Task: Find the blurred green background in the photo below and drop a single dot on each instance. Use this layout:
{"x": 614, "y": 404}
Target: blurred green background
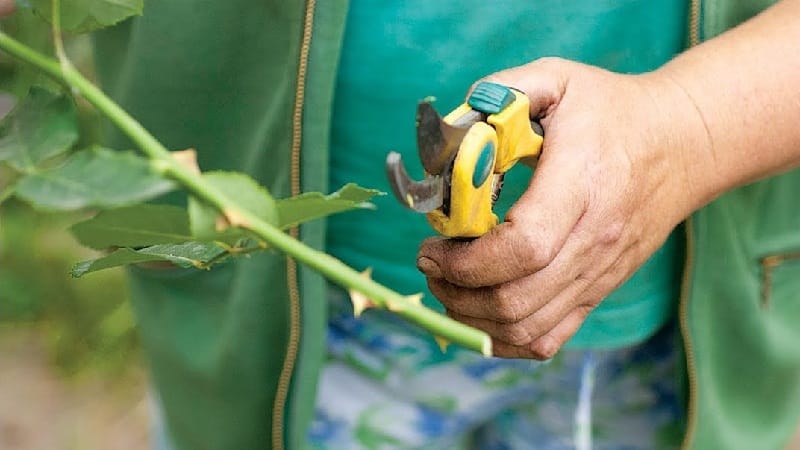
{"x": 71, "y": 375}
{"x": 85, "y": 323}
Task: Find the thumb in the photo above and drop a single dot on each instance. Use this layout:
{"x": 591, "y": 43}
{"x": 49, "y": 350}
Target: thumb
{"x": 544, "y": 81}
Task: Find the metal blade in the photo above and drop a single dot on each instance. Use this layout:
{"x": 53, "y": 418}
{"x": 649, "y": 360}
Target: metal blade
{"x": 421, "y": 196}
{"x": 437, "y": 141}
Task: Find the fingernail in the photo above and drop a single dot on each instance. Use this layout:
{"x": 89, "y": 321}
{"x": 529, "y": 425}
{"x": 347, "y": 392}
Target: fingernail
{"x": 429, "y": 267}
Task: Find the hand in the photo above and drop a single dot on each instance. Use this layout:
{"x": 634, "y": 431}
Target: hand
{"x": 615, "y": 177}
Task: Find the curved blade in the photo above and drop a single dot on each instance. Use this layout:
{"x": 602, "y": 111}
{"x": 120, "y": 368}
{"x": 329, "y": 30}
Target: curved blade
{"x": 437, "y": 141}
{"x": 421, "y": 196}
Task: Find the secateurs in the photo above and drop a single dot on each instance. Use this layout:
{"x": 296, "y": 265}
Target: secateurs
{"x": 465, "y": 155}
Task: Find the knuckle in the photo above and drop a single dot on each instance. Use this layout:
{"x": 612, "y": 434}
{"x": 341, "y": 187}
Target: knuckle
{"x": 515, "y": 334}
{"x": 534, "y": 250}
{"x": 510, "y": 307}
{"x": 550, "y": 61}
{"x": 544, "y": 348}
{"x": 612, "y": 233}
{"x": 437, "y": 289}
{"x": 462, "y": 272}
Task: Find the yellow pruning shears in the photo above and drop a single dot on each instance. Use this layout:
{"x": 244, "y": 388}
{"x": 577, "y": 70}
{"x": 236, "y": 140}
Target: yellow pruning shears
{"x": 465, "y": 155}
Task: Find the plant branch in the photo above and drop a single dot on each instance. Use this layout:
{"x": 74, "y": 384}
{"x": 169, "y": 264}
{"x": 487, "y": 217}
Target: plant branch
{"x": 330, "y": 267}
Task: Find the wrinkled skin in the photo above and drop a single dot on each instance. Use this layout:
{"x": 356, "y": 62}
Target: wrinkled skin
{"x": 610, "y": 186}
{"x": 625, "y": 159}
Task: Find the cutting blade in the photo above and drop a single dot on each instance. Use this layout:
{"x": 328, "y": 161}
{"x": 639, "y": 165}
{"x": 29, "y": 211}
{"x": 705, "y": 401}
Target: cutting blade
{"x": 421, "y": 196}
{"x": 437, "y": 141}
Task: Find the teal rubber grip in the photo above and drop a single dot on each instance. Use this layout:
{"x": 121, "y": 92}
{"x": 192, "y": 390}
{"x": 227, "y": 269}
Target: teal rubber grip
{"x": 484, "y": 165}
{"x": 490, "y": 98}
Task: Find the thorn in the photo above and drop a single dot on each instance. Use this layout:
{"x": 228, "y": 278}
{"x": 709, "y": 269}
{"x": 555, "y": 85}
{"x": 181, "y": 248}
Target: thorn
{"x": 234, "y": 218}
{"x": 415, "y": 299}
{"x": 360, "y": 301}
{"x": 221, "y": 224}
{"x": 442, "y": 342}
{"x": 188, "y": 159}
{"x": 394, "y": 306}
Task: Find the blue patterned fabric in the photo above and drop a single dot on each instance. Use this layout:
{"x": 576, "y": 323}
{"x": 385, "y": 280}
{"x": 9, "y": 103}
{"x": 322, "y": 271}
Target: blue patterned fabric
{"x": 387, "y": 388}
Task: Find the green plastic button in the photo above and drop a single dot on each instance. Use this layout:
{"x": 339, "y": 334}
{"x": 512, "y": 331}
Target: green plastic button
{"x": 484, "y": 165}
{"x": 490, "y": 98}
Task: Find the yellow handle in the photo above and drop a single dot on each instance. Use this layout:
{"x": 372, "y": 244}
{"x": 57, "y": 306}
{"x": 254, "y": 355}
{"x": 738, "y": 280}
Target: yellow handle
{"x": 517, "y": 140}
{"x": 470, "y": 212}
{"x": 488, "y": 149}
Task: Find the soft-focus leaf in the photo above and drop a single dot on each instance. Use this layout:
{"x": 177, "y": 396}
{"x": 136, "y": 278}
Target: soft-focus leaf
{"x": 188, "y": 254}
{"x": 134, "y": 226}
{"x": 40, "y": 127}
{"x": 80, "y": 16}
{"x": 313, "y": 205}
{"x": 6, "y": 193}
{"x": 96, "y": 177}
{"x": 244, "y": 192}
{"x": 29, "y": 29}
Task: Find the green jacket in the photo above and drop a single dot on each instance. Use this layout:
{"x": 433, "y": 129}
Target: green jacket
{"x": 236, "y": 365}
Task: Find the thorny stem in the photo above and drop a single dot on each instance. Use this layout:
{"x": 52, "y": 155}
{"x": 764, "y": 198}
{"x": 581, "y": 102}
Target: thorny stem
{"x": 330, "y": 267}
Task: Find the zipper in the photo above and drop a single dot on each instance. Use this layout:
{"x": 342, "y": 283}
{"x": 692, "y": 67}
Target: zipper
{"x": 293, "y": 345}
{"x": 694, "y": 23}
{"x": 683, "y": 312}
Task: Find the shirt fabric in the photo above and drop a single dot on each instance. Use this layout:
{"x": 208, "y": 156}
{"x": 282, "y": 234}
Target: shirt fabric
{"x": 394, "y": 56}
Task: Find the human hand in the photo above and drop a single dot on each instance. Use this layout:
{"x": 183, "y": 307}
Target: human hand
{"x": 7, "y": 7}
{"x": 617, "y": 173}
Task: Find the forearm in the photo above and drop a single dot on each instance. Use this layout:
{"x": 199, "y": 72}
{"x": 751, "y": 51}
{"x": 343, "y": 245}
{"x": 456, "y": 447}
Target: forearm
{"x": 745, "y": 85}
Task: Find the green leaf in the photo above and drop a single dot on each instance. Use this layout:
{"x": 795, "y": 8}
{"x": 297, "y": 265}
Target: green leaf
{"x": 96, "y": 177}
{"x": 6, "y": 193}
{"x": 244, "y": 192}
{"x": 134, "y": 226}
{"x": 81, "y": 16}
{"x": 188, "y": 254}
{"x": 313, "y": 205}
{"x": 41, "y": 126}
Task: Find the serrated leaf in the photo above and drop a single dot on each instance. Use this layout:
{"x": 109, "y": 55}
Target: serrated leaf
{"x": 207, "y": 223}
{"x": 188, "y": 254}
{"x": 41, "y": 126}
{"x": 81, "y": 16}
{"x": 134, "y": 226}
{"x": 314, "y": 205}
{"x": 96, "y": 177}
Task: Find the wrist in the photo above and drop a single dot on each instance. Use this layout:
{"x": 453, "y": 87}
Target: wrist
{"x": 689, "y": 142}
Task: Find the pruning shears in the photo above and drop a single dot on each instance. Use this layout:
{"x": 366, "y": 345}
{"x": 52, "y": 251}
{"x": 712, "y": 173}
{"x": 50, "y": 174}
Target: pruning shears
{"x": 465, "y": 156}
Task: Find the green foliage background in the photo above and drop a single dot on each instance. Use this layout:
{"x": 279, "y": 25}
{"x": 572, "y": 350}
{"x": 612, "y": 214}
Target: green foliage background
{"x": 87, "y": 324}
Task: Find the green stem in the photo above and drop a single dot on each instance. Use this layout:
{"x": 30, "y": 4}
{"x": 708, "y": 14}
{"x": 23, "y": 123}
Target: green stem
{"x": 330, "y": 267}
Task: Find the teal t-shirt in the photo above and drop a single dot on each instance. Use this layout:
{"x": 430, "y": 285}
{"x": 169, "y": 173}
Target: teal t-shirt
{"x": 399, "y": 52}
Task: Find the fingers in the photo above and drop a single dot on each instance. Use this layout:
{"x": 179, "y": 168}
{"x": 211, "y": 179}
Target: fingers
{"x": 547, "y": 345}
{"x": 531, "y": 237}
{"x": 512, "y": 301}
{"x": 541, "y": 334}
{"x": 507, "y": 303}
